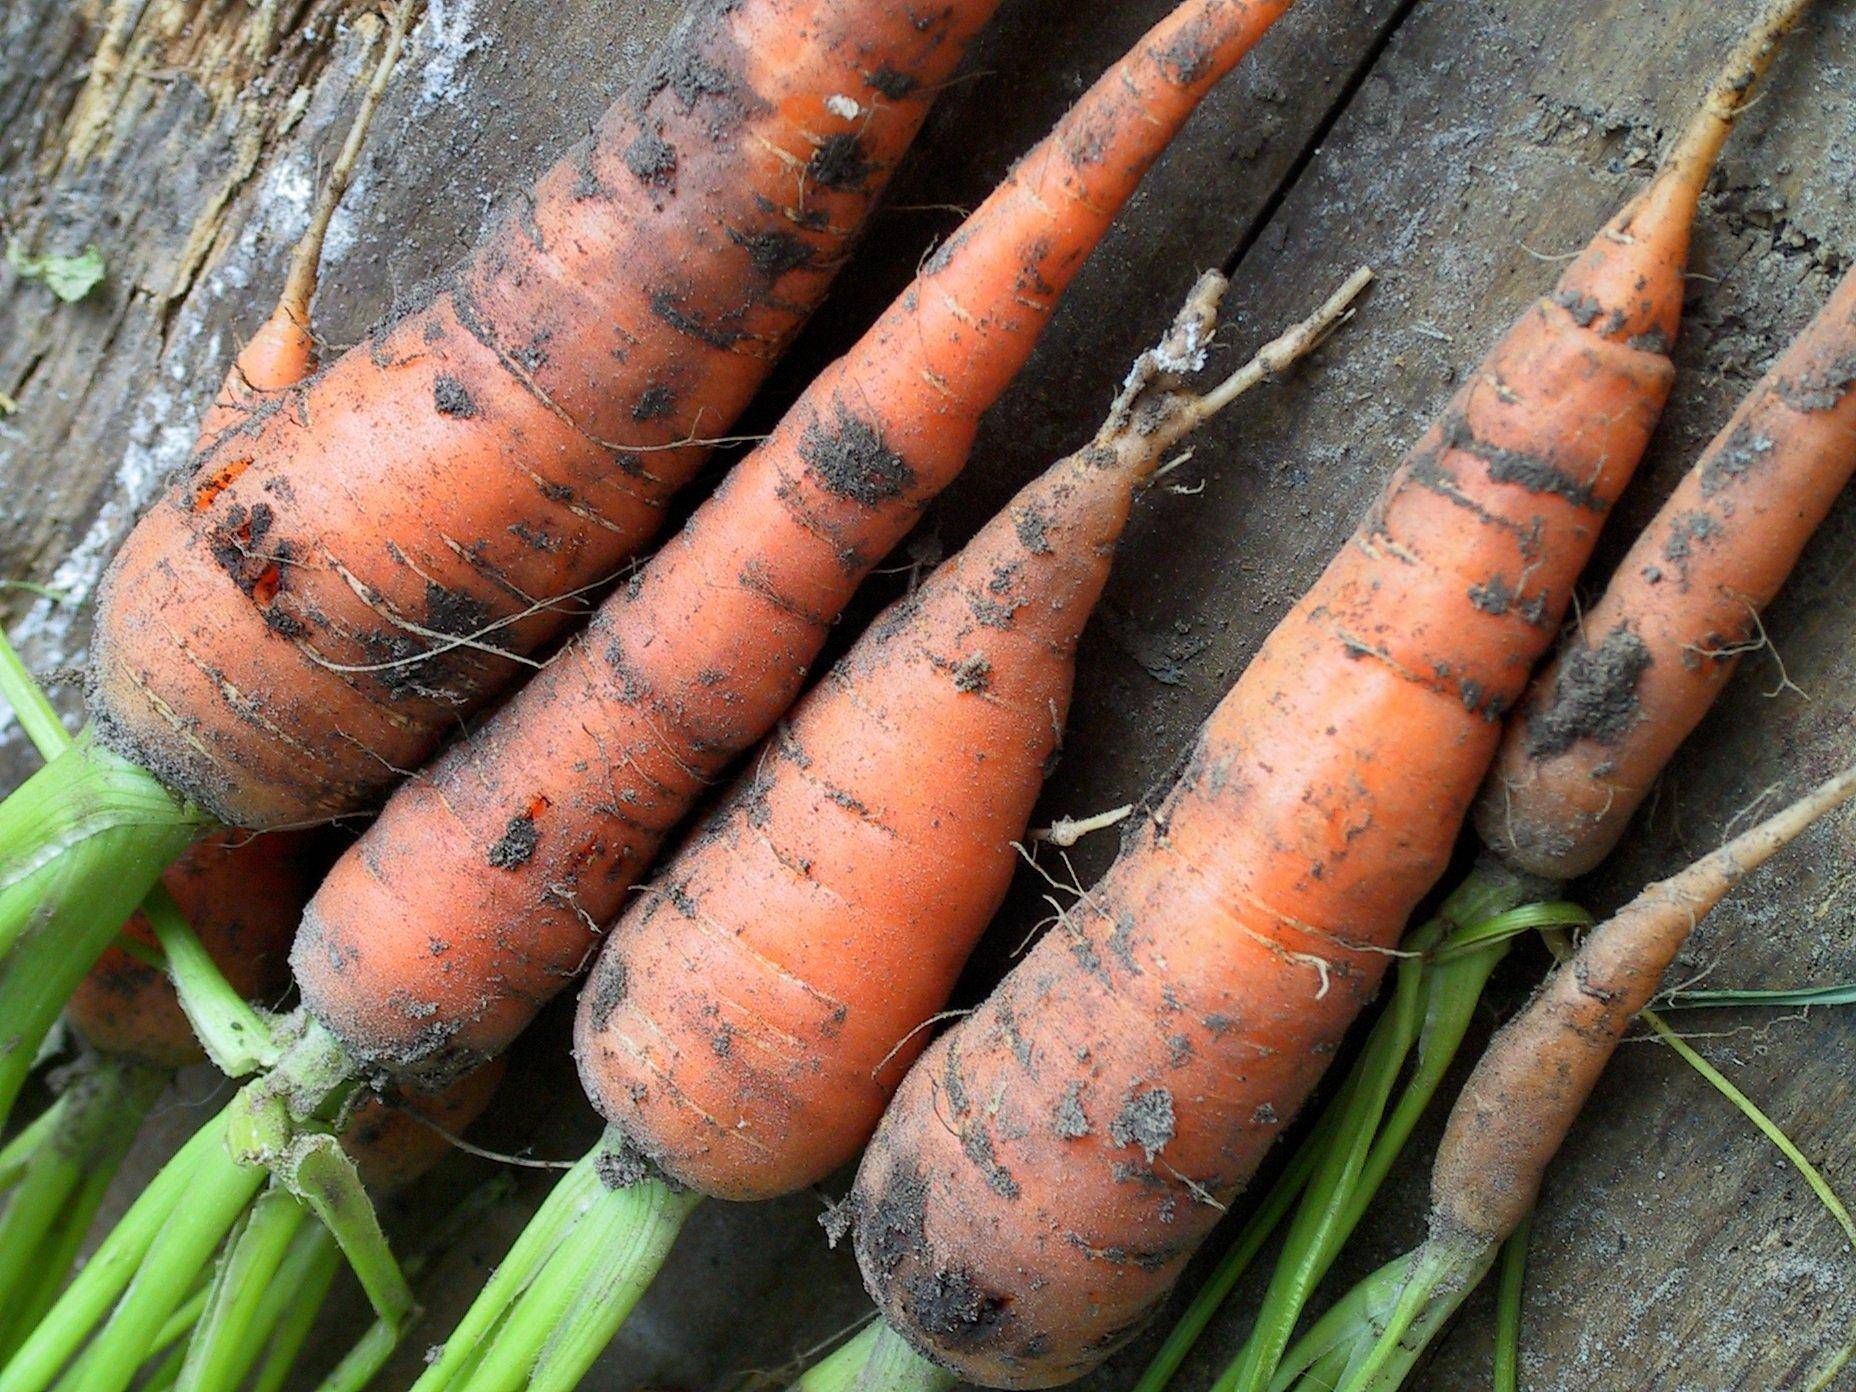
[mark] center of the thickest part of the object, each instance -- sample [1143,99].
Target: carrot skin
[755,1007]
[311,609]
[1531,1083]
[1186,1008]
[1682,609]
[481,889]
[243,895]
[394,1142]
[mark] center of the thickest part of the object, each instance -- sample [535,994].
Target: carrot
[1051,1162]
[754,1008]
[1520,1102]
[1633,679]
[243,897]
[481,889]
[366,554]
[1683,608]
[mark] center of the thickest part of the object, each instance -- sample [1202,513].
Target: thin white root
[1296,342]
[1067,831]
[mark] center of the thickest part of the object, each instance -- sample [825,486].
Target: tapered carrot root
[1049,1164]
[1683,608]
[341,574]
[479,891]
[283,351]
[733,1030]
[1523,1097]
[750,1014]
[1519,1105]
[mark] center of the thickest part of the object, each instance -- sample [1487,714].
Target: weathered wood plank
[1489,136]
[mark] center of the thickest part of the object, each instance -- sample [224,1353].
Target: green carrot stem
[1326,1372]
[893,1366]
[220,1352]
[1312,1233]
[537,1242]
[1348,1326]
[110,1270]
[17,1155]
[838,1370]
[578,1300]
[31,707]
[1441,1274]
[102,1105]
[1506,1373]
[82,841]
[180,1324]
[303,1284]
[237,1037]
[59,1254]
[320,1173]
[222,1189]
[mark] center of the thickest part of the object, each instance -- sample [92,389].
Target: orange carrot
[754,1008]
[357,561]
[1522,1099]
[1589,737]
[480,890]
[1050,1163]
[364,555]
[1650,658]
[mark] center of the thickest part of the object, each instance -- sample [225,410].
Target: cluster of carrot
[361,556]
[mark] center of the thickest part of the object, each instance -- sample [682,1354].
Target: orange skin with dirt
[244,895]
[480,890]
[755,1007]
[1534,1078]
[391,1146]
[344,572]
[1651,657]
[1051,1162]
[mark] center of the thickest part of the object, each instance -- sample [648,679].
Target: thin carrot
[367,553]
[1595,729]
[481,889]
[1525,1093]
[1051,1162]
[1684,607]
[753,1010]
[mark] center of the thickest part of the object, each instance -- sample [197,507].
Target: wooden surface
[1461,147]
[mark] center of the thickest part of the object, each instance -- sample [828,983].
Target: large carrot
[364,555]
[1633,679]
[474,896]
[1652,655]
[481,889]
[753,1010]
[1518,1107]
[344,573]
[1050,1163]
